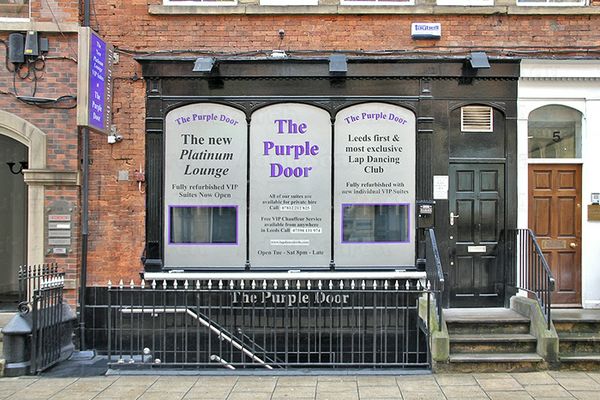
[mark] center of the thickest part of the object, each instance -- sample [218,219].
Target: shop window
[14,9]
[554,131]
[375,223]
[267,190]
[203,225]
[476,119]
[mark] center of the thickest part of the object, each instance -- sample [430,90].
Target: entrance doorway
[476,202]
[13,219]
[555,218]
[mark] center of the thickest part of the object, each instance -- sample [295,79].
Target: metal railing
[528,269]
[267,324]
[435,274]
[41,293]
[30,279]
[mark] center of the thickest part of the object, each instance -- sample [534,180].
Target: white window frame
[200,3]
[377,3]
[18,19]
[466,3]
[289,2]
[550,3]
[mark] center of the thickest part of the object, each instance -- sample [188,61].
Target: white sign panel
[374,186]
[426,30]
[205,186]
[440,187]
[290,186]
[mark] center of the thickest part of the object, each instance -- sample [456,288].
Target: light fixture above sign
[426,30]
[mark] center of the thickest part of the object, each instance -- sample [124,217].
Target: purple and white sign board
[205,186]
[290,190]
[374,192]
[94,95]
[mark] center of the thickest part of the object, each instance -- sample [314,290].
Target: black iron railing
[30,278]
[41,293]
[435,274]
[528,269]
[267,324]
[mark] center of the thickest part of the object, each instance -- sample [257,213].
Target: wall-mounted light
[479,60]
[338,64]
[204,64]
[23,165]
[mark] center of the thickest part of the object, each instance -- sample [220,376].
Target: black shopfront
[260,168]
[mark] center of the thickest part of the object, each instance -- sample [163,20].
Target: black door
[476,202]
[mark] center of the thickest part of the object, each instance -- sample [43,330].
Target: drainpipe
[84,211]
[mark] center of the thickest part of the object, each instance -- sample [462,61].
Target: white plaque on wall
[290,186]
[205,186]
[374,191]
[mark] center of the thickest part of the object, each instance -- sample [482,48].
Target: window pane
[554,132]
[14,8]
[376,223]
[203,225]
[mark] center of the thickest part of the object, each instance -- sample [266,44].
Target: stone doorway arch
[37,176]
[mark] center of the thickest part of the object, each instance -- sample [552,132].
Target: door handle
[453,217]
[573,245]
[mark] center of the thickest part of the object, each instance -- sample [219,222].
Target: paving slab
[290,392]
[585,395]
[377,381]
[455,379]
[506,384]
[464,392]
[512,395]
[297,381]
[534,378]
[541,391]
[378,392]
[579,383]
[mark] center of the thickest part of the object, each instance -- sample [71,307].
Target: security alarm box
[425,213]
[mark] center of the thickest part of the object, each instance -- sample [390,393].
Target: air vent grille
[476,119]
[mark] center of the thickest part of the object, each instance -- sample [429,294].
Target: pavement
[491,386]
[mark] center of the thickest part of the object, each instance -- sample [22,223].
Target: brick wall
[56,77]
[117,207]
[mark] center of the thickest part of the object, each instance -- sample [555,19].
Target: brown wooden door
[555,218]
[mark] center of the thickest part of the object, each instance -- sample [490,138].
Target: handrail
[532,273]
[435,273]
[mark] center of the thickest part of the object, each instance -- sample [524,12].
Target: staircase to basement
[579,338]
[490,340]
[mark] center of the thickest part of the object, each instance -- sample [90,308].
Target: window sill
[254,9]
[26,24]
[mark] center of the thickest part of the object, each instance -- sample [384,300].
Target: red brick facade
[116,207]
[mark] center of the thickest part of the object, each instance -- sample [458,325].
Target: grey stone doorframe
[37,176]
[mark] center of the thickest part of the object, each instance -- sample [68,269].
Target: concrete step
[572,321]
[499,362]
[485,321]
[581,343]
[579,362]
[492,343]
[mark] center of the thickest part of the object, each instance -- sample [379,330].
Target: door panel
[476,195]
[555,218]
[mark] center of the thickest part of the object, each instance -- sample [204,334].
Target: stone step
[492,343]
[499,362]
[584,343]
[496,357]
[570,327]
[485,321]
[579,362]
